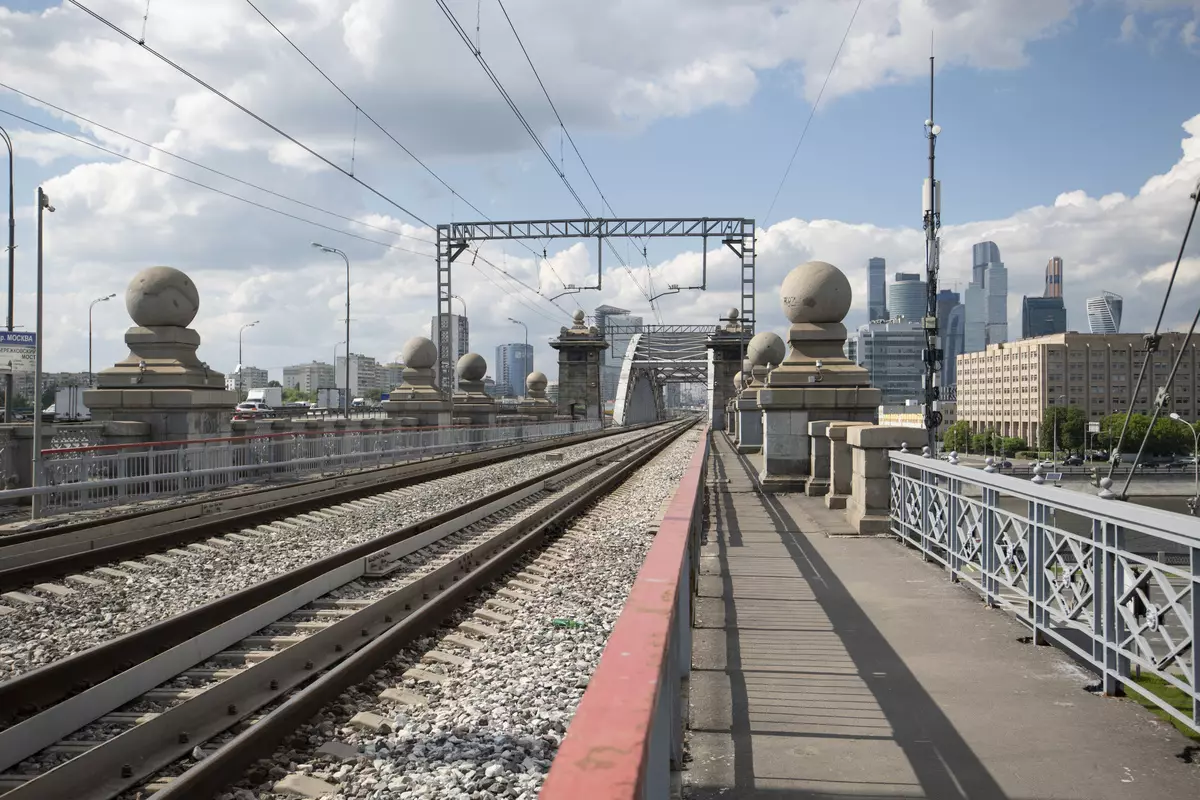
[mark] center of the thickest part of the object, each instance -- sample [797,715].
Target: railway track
[163,692]
[44,553]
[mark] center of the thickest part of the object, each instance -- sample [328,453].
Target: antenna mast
[932,213]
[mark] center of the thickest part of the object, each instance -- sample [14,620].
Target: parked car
[1005,464]
[1072,461]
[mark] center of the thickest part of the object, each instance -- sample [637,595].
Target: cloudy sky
[1070,128]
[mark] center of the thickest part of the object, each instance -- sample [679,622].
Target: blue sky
[1091,109]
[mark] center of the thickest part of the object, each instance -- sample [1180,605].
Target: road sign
[19,349]
[1093,427]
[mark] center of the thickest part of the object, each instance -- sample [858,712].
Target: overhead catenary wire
[558,170]
[186,73]
[812,113]
[213,170]
[358,109]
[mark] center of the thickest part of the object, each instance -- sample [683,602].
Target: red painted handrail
[603,756]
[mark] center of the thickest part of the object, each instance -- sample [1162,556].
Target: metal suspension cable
[222,192]
[117,29]
[1152,347]
[360,110]
[812,113]
[214,171]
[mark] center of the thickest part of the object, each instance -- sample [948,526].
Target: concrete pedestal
[818,441]
[748,423]
[163,384]
[726,351]
[841,463]
[868,509]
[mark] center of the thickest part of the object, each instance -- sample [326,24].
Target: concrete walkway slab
[842,668]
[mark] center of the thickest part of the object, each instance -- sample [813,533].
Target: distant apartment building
[877,309]
[850,349]
[364,374]
[912,415]
[891,354]
[1008,386]
[1104,313]
[308,377]
[250,378]
[391,375]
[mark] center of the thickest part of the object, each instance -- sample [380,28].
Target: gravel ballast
[490,726]
[132,595]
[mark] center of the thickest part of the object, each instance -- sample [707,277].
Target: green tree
[1070,423]
[373,395]
[957,436]
[1013,444]
[1170,437]
[271,384]
[291,395]
[1110,431]
[984,442]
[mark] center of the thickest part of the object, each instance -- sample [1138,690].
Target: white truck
[68,405]
[271,395]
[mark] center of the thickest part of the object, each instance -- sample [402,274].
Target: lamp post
[1195,499]
[12,248]
[241,365]
[335,349]
[464,303]
[346,258]
[91,375]
[527,356]
[43,204]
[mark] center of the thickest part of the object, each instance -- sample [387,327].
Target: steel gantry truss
[452,239]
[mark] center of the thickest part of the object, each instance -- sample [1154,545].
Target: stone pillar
[816,381]
[765,351]
[535,405]
[841,462]
[419,402]
[472,405]
[162,382]
[869,505]
[725,353]
[818,442]
[579,347]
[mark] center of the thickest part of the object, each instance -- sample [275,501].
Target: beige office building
[1008,386]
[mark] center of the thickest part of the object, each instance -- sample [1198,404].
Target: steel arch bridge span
[655,358]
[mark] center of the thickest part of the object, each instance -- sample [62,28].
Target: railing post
[988,560]
[1195,635]
[953,541]
[1039,590]
[1112,588]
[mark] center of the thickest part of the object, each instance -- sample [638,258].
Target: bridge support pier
[579,391]
[726,349]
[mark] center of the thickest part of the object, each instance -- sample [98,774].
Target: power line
[811,113]
[360,110]
[201,185]
[186,160]
[247,111]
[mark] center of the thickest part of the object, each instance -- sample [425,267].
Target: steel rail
[43,555]
[119,763]
[39,688]
[228,763]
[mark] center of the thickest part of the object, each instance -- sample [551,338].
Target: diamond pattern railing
[1062,561]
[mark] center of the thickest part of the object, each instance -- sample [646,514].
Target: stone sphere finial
[536,381]
[733,314]
[419,353]
[747,367]
[816,292]
[737,382]
[162,297]
[578,317]
[471,367]
[766,349]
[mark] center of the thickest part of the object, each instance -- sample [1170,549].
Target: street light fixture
[346,258]
[241,364]
[92,375]
[1195,499]
[464,303]
[12,249]
[43,204]
[527,356]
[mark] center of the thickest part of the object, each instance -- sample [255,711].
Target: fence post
[988,560]
[1039,589]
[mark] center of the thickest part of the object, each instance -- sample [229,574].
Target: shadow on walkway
[812,682]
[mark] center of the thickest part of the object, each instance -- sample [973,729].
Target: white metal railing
[1116,584]
[104,475]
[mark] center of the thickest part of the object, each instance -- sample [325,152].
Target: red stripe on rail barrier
[604,754]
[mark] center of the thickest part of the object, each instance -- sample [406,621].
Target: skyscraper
[1104,313]
[876,289]
[1042,316]
[950,314]
[1054,276]
[513,364]
[906,297]
[891,353]
[608,318]
[987,299]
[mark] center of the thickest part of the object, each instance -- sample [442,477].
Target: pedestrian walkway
[839,667]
